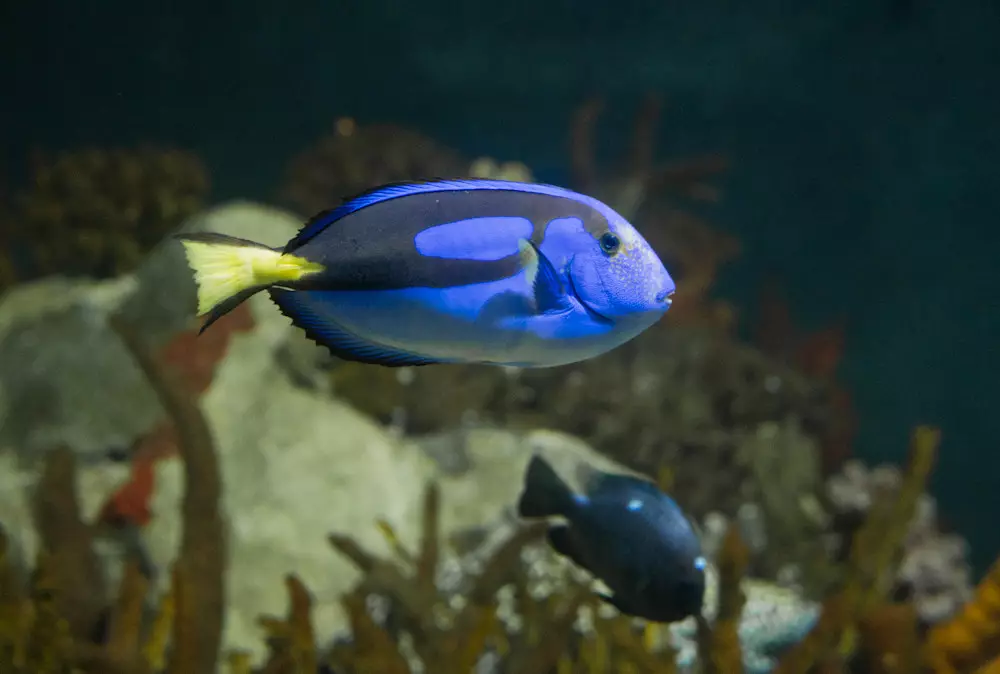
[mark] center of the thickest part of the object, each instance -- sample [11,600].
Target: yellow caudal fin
[228,270]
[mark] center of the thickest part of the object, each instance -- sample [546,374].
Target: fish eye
[610,243]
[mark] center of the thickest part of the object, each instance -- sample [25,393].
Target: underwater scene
[543,338]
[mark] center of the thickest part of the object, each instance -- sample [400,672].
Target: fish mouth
[596,315]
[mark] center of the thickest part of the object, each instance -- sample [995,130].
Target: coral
[681,400]
[193,359]
[870,567]
[71,563]
[201,564]
[356,157]
[486,167]
[96,212]
[719,645]
[817,355]
[501,615]
[647,194]
[971,639]
[934,572]
[536,587]
[67,623]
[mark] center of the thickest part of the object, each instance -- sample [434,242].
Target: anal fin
[309,310]
[549,291]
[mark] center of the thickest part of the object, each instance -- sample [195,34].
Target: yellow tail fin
[227,267]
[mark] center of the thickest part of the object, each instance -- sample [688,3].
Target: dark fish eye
[610,243]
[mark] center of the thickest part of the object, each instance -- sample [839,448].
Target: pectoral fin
[561,541]
[618,602]
[550,293]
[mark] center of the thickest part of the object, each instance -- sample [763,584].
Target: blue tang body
[626,532]
[460,271]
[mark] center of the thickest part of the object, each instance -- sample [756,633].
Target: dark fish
[626,532]
[450,271]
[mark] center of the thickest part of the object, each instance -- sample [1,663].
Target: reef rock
[64,376]
[297,463]
[164,299]
[298,466]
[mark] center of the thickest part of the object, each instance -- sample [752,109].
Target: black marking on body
[373,248]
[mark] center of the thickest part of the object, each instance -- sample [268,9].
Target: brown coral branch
[383,577]
[719,647]
[75,568]
[427,562]
[558,630]
[303,640]
[889,640]
[873,554]
[374,649]
[202,562]
[503,563]
[293,641]
[126,620]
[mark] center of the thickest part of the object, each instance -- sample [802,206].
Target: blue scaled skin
[626,532]
[457,271]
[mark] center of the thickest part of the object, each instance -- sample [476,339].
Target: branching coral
[96,212]
[202,561]
[498,621]
[647,193]
[56,628]
[971,639]
[934,571]
[873,559]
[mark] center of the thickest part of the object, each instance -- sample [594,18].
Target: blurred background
[821,177]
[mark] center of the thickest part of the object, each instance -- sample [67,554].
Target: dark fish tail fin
[545,493]
[228,270]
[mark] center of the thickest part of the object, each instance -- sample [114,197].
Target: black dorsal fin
[373,195]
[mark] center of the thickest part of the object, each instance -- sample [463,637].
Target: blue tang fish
[626,532]
[449,271]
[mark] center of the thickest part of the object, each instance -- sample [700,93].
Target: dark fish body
[479,271]
[626,532]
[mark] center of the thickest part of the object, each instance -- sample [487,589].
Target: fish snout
[665,287]
[665,297]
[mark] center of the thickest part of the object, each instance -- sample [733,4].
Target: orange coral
[647,193]
[971,639]
[817,355]
[130,503]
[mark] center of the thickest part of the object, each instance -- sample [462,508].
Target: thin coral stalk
[203,557]
[76,570]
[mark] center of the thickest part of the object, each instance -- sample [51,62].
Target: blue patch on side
[485,239]
[580,499]
[306,310]
[323,220]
